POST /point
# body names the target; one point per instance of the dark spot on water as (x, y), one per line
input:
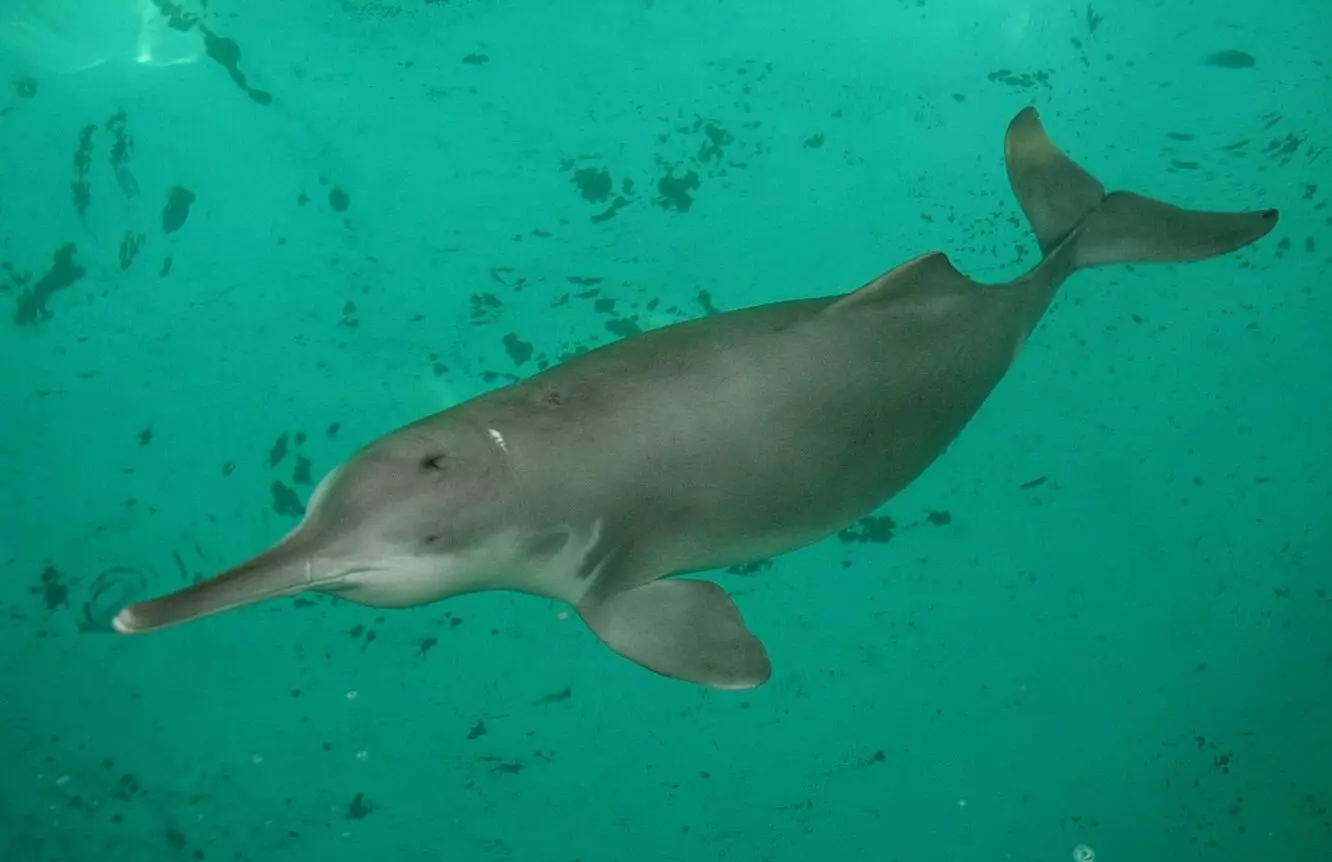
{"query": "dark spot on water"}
(1033, 483)
(80, 190)
(145, 436)
(177, 17)
(674, 193)
(122, 146)
(285, 501)
(25, 87)
(750, 568)
(1094, 21)
(64, 273)
(476, 59)
(1231, 59)
(227, 54)
(180, 566)
(426, 646)
(619, 203)
(332, 430)
(54, 592)
(869, 529)
(478, 730)
(176, 840)
(939, 519)
(359, 809)
(166, 267)
(300, 474)
(228, 468)
(485, 308)
(1021, 80)
(128, 183)
(339, 199)
(713, 148)
(555, 697)
(814, 142)
(278, 451)
(126, 787)
(594, 184)
(519, 351)
(130, 245)
(177, 210)
(623, 327)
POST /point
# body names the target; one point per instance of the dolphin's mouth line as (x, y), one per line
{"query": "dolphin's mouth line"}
(335, 582)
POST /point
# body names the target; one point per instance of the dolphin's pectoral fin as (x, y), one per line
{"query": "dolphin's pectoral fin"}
(686, 629)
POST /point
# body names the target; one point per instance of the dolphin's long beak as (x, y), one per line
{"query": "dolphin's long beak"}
(282, 570)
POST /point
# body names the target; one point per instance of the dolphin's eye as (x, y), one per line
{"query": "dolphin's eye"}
(433, 462)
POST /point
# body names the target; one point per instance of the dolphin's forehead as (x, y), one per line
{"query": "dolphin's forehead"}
(415, 485)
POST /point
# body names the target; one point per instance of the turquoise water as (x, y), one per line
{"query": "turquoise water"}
(234, 250)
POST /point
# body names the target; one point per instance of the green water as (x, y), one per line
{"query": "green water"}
(240, 240)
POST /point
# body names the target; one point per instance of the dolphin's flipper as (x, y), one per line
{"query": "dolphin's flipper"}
(686, 629)
(1064, 202)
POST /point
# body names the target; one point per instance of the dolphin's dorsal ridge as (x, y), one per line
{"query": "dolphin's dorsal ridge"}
(681, 628)
(932, 272)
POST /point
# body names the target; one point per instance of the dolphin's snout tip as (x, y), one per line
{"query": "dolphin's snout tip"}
(124, 622)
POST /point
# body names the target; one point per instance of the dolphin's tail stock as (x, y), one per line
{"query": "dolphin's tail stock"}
(1071, 213)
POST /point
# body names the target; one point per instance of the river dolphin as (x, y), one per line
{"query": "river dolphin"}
(700, 445)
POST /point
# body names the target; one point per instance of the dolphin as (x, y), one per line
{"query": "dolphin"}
(711, 442)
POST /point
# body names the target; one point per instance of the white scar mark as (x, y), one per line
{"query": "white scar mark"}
(499, 439)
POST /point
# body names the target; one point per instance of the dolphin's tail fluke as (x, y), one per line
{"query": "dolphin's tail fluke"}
(1064, 203)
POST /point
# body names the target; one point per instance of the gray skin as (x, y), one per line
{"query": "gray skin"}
(709, 443)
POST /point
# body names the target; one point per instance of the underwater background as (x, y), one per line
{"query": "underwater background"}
(240, 239)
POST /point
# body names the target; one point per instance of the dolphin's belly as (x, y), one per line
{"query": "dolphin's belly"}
(810, 462)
